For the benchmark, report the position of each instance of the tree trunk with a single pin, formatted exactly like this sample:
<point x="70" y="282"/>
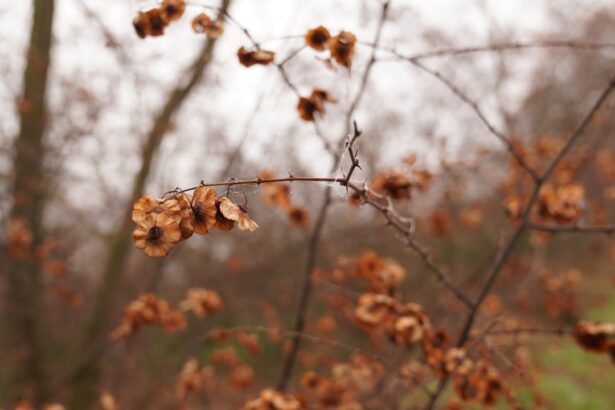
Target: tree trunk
<point x="23" y="273"/>
<point x="86" y="378"/>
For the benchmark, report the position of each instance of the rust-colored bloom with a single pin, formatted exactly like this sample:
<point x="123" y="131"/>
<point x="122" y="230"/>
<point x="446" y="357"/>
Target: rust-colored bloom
<point x="342" y="48"/>
<point x="249" y="58"/>
<point x="594" y="336"/>
<point x="156" y="234"/>
<point x="308" y="107"/>
<point x="374" y="309"/>
<point x="237" y="213"/>
<point x="204" y="209"/>
<point x="299" y="216"/>
<point x="202" y="23"/>
<point x="148" y="310"/>
<point x="172" y="10"/>
<point x="201" y="302"/>
<point x="222" y="222"/>
<point x="149" y="23"/>
<point x="317" y="38"/>
<point x="410" y="325"/>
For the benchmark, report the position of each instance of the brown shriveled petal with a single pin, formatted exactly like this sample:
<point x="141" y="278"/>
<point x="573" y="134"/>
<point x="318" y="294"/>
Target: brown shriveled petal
<point x="308" y="107"/>
<point x="342" y="48"/>
<point x="222" y="223"/>
<point x="234" y="212"/>
<point x="144" y="207"/>
<point x="249" y="58"/>
<point x="317" y="38"/>
<point x="202" y="23"/>
<point x="172" y="10"/>
<point x="204" y="209"/>
<point x="179" y="207"/>
<point x="157" y="234"/>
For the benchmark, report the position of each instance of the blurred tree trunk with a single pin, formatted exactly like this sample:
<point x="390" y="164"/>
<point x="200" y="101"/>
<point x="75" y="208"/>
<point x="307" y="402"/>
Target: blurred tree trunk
<point x="85" y="379"/>
<point x="24" y="273"/>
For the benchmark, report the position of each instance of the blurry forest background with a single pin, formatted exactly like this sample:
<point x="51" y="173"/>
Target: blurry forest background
<point x="93" y="117"/>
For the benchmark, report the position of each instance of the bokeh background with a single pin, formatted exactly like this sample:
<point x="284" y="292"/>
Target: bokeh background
<point x="107" y="140"/>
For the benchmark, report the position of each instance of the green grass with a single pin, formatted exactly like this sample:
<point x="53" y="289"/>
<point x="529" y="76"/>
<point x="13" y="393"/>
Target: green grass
<point x="575" y="379"/>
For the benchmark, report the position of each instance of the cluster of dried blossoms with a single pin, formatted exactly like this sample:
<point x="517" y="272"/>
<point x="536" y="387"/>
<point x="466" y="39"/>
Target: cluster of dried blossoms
<point x="382" y="275"/>
<point x="277" y="194"/>
<point x="346" y="385"/>
<point x="596" y="337"/>
<point x="342" y="47"/>
<point x="150" y="310"/>
<point x="270" y="399"/>
<point x="162" y="223"/>
<point x="407" y="325"/>
<point x="153" y="21"/>
<point x="561" y="204"/>
<point x="561" y="201"/>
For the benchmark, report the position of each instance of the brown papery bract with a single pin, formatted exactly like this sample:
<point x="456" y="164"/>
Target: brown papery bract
<point x="249" y="58"/>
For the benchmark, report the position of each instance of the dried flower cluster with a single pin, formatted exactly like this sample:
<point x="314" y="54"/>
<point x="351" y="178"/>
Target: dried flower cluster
<point x="346" y="385"/>
<point x="162" y="223"/>
<point x="152" y="22"/>
<point x="382" y="275"/>
<point x="150" y="310"/>
<point x="342" y="47"/>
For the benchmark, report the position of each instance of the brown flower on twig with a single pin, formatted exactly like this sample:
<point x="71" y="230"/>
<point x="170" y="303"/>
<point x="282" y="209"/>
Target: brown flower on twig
<point x="237" y="213"/>
<point x="342" y="48"/>
<point x="149" y="23"/>
<point x="202" y="23"/>
<point x="594" y="336"/>
<point x="308" y="107"/>
<point x="172" y="10"/>
<point x="156" y="234"/>
<point x="317" y="38"/>
<point x="249" y="58"/>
